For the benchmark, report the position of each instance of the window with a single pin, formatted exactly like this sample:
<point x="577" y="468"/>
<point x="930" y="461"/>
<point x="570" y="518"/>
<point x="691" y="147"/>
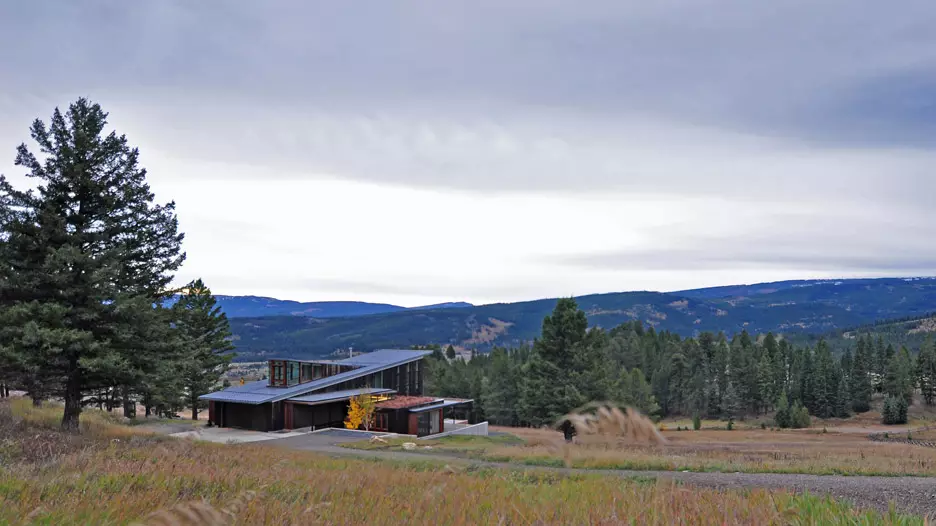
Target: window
<point x="277" y="373"/>
<point x="292" y="369"/>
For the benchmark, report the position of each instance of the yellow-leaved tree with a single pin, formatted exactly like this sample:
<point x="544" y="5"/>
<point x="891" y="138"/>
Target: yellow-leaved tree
<point x="360" y="412"/>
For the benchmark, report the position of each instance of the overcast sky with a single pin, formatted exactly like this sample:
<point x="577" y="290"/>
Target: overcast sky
<point x="418" y="152"/>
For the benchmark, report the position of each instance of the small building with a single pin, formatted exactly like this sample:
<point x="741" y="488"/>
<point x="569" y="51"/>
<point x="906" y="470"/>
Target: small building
<point x="302" y="394"/>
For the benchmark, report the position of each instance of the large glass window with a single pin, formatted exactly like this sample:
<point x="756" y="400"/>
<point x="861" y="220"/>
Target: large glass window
<point x="292" y="373"/>
<point x="277" y="373"/>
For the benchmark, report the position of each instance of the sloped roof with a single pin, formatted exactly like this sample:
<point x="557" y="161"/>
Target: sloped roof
<point x="260" y="392"/>
<point x="318" y="398"/>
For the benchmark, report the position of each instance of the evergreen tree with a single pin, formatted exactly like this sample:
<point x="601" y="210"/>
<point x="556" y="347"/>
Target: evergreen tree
<point x="843" y="401"/>
<point x="765" y="384"/>
<point x="499" y="391"/>
<point x="860" y="378"/>
<point x="782" y="416"/>
<point x="634" y="391"/>
<point x="450" y="352"/>
<point x="97" y="252"/>
<point x="204" y="336"/>
<point x="732" y="402"/>
<point x="898" y="381"/>
<point x="548" y="390"/>
<point x="926" y="371"/>
<point x="895" y="410"/>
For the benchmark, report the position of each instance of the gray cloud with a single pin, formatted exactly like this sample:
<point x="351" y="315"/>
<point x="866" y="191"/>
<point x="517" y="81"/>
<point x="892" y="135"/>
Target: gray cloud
<point x="845" y="244"/>
<point x="792" y="103"/>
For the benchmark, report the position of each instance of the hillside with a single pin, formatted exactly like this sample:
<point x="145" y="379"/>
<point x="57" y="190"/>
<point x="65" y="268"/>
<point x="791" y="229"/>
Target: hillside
<point x="800" y="307"/>
<point x="910" y="332"/>
<point x="257" y="306"/>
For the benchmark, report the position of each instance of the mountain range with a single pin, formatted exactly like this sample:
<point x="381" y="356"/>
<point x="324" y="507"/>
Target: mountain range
<point x="258" y="306"/>
<point x="810" y="307"/>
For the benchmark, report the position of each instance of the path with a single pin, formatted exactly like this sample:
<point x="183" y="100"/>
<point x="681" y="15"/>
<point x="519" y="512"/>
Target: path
<point x="910" y="494"/>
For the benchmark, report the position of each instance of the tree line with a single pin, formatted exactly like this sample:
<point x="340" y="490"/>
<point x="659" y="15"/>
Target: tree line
<point x="664" y="375"/>
<point x="87" y="261"/>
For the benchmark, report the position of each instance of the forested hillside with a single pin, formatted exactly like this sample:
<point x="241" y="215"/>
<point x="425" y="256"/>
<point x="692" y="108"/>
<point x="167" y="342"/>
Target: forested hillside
<point x="793" y="307"/>
<point x="258" y="306"/>
<point x="664" y="374"/>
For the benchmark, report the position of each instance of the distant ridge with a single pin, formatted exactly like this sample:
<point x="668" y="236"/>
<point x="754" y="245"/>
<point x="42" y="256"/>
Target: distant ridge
<point x="805" y="307"/>
<point x="259" y="306"/>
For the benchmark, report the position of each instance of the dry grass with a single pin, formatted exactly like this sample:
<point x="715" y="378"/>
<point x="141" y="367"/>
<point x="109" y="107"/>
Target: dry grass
<point x="750" y="451"/>
<point x="153" y="479"/>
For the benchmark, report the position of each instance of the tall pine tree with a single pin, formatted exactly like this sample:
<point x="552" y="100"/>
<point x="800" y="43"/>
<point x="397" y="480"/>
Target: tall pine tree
<point x="98" y="251"/>
<point x="204" y="338"/>
<point x="548" y="390"/>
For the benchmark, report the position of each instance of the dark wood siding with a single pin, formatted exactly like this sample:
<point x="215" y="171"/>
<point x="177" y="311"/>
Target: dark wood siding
<point x="245" y="416"/>
<point x="319" y="416"/>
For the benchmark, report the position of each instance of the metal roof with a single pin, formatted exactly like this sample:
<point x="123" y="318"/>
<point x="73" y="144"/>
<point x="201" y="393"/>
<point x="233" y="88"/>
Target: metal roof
<point x="318" y="398"/>
<point x="260" y="392"/>
<point x="440" y="405"/>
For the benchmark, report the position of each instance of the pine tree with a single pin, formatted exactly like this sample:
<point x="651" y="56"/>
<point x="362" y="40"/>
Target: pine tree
<point x="98" y="251"/>
<point x="782" y="416"/>
<point x="204" y="336"/>
<point x="634" y="391"/>
<point x="765" y="384"/>
<point x="843" y="401"/>
<point x="898" y="381"/>
<point x="926" y="371"/>
<point x="861" y="387"/>
<point x="500" y="389"/>
<point x="548" y="391"/>
<point x="450" y="352"/>
<point x="592" y="376"/>
<point x="732" y="402"/>
<point x="825" y="381"/>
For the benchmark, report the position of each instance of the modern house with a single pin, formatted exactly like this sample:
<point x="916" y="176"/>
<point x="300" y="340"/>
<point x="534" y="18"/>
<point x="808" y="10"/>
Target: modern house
<point x="302" y="394"/>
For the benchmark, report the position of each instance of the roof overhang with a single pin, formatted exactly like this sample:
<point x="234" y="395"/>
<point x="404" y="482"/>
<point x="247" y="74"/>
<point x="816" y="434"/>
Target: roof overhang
<point x="335" y="396"/>
<point x="441" y="405"/>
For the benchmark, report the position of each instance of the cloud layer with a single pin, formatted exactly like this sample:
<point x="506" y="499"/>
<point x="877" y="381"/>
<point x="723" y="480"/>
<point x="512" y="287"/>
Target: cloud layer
<point x="793" y="138"/>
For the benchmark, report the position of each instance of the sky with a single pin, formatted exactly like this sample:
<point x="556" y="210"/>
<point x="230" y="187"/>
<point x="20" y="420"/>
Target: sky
<point x="415" y="152"/>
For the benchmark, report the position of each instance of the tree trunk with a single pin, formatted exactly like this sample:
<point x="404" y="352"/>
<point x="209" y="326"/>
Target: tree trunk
<point x="194" y="402"/>
<point x="2" y="391"/>
<point x="129" y="405"/>
<point x="36" y="400"/>
<point x="6" y="389"/>
<point x="72" y="398"/>
<point x="149" y="410"/>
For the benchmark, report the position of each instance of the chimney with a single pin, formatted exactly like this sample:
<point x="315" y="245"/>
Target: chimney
<point x="350" y="352"/>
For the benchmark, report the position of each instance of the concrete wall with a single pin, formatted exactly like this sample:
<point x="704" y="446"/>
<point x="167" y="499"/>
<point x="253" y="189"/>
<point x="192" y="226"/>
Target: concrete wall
<point x="475" y="430"/>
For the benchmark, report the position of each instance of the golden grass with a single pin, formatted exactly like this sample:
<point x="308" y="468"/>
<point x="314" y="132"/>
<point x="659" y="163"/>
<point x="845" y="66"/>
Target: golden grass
<point x="153" y="479"/>
<point x="752" y="451"/>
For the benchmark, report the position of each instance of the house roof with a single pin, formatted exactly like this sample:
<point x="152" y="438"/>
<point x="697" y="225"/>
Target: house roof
<point x="260" y="392"/>
<point x="403" y="402"/>
<point x="440" y="405"/>
<point x="320" y="398"/>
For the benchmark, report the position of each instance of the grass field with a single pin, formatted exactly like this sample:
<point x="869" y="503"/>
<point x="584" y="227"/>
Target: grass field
<point x="113" y="474"/>
<point x="746" y="451"/>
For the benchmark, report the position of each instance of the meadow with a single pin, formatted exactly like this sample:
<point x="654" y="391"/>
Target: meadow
<point x="115" y="474"/>
<point x="747" y="451"/>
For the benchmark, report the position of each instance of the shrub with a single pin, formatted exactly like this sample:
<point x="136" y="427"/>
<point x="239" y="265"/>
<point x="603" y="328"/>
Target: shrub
<point x="696" y="422"/>
<point x="895" y="411"/>
<point x="799" y="416"/>
<point x="731" y="424"/>
<point x="763" y="425"/>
